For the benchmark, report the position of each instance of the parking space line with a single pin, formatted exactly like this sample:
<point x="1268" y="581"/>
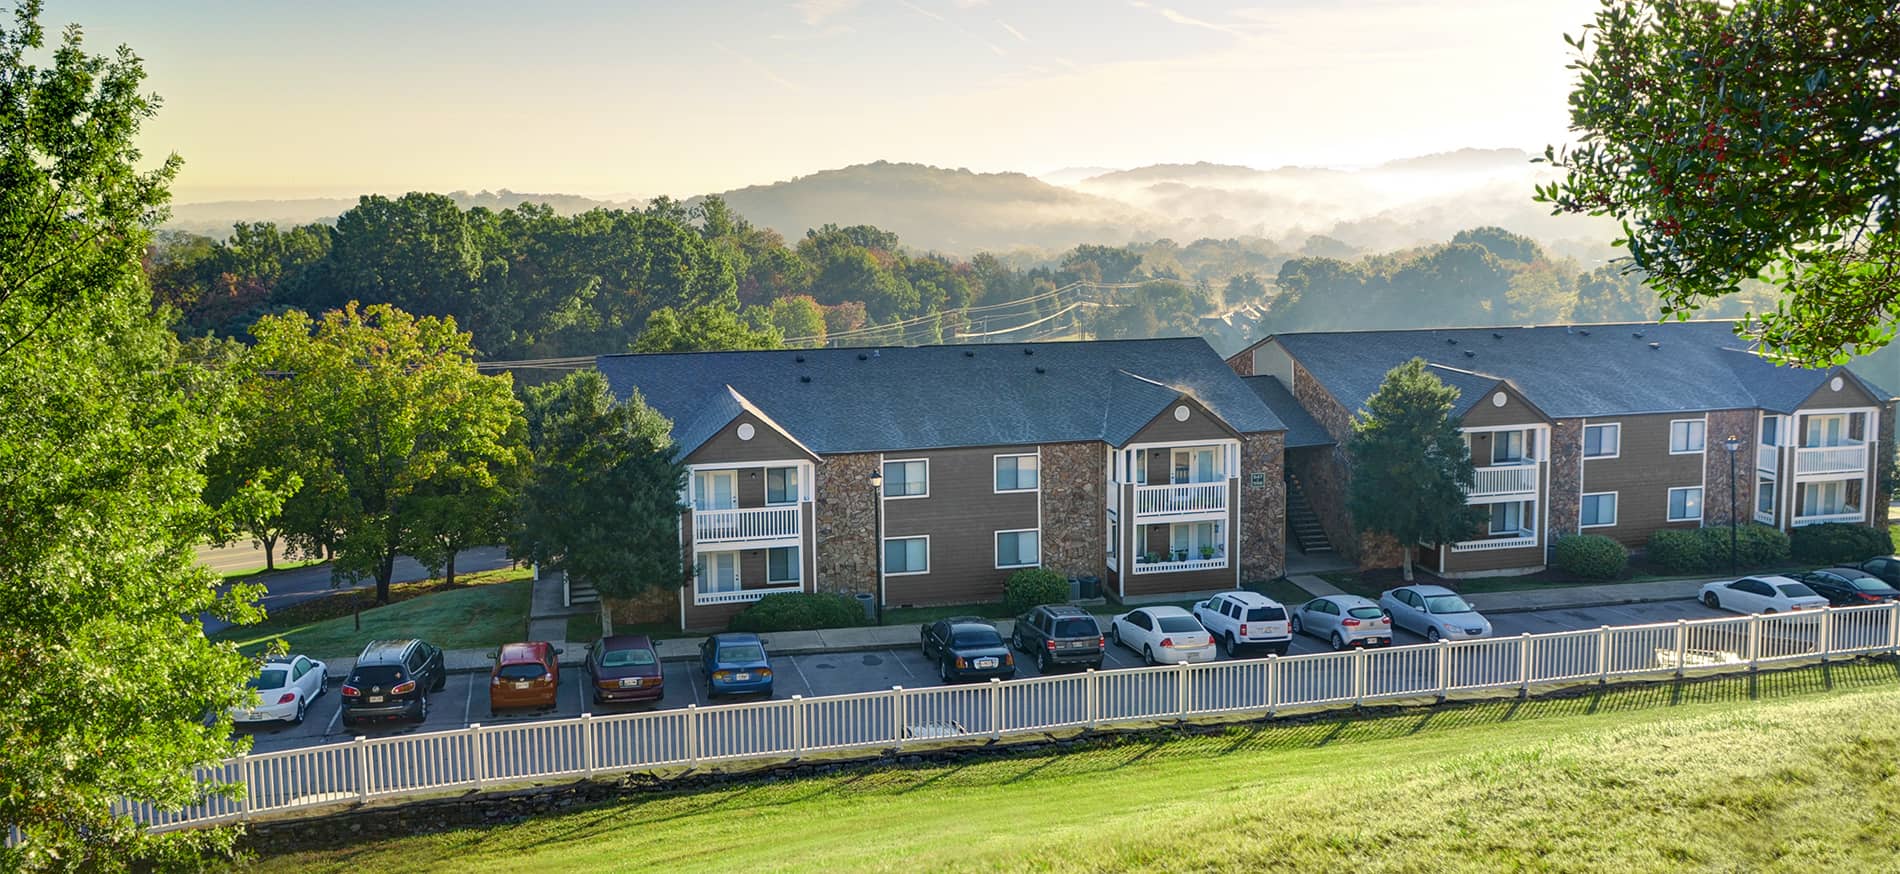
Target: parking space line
<point x="900" y="663"/>
<point x="468" y="702"/>
<point x="692" y="683"/>
<point x="335" y="719"/>
<point x="801" y="675"/>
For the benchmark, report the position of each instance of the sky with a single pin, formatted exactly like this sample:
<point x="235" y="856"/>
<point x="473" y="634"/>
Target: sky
<point x="337" y="98"/>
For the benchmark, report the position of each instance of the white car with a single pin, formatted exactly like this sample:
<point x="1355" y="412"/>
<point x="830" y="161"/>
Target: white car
<point x="1242" y="618"/>
<point x="1761" y="595"/>
<point x="1434" y="613"/>
<point x="1163" y="635"/>
<point x="1344" y="620"/>
<point x="285" y="687"/>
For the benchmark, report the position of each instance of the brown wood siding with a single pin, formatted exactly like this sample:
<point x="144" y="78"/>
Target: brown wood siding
<point x="1201" y="426"/>
<point x="1850" y="395"/>
<point x="961" y="515"/>
<point x="1516" y="410"/>
<point x="767" y="444"/>
<point x="1493" y="559"/>
<point x="1642" y="475"/>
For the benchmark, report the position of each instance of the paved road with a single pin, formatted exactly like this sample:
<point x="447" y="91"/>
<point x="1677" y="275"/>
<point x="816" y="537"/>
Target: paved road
<point x="241" y="556"/>
<point x="284" y="588"/>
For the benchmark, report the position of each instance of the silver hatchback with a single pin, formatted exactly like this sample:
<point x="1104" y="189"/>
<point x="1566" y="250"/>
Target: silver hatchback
<point x="1344" y="620"/>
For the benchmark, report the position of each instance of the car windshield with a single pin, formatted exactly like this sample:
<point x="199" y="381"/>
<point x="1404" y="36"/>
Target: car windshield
<point x="1365" y="612"/>
<point x="1179" y="624"/>
<point x="1446" y="604"/>
<point x="975" y="637"/>
<point x="740" y="652"/>
<point x="1077" y="628"/>
<point x="1265" y="614"/>
<point x="271" y="679"/>
<point x="1869" y="584"/>
<point x="379" y="675"/>
<point x="1796" y="590"/>
<point x="624" y="658"/>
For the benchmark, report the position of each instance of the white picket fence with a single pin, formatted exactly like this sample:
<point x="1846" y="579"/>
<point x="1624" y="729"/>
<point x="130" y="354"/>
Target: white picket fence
<point x="483" y="756"/>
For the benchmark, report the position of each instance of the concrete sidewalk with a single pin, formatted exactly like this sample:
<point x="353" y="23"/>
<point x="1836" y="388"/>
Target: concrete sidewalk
<point x="1555" y="598"/>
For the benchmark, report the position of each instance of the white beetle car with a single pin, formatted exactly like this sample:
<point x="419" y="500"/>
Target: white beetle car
<point x="1163" y="635"/>
<point x="1761" y="595"/>
<point x="285" y="686"/>
<point x="1434" y="612"/>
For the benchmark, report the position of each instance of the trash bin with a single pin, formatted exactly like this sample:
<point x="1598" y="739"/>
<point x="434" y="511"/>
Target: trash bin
<point x="869" y="602"/>
<point x="1091" y="587"/>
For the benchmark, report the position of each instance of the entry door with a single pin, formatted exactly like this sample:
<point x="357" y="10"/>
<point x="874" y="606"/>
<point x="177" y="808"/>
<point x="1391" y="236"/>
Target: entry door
<point x="716" y="490"/>
<point x="718" y="572"/>
<point x="1193" y="466"/>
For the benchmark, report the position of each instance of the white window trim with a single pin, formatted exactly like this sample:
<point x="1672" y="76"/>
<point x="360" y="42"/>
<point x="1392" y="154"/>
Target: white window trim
<point x="738" y="572"/>
<point x="1672" y="437"/>
<point x="798" y="567"/>
<point x="926" y="539"/>
<point x="996" y="544"/>
<point x="1616" y="426"/>
<point x="1667" y="500"/>
<point x="1616" y="509"/>
<point x="798" y="482"/>
<point x="926" y="493"/>
<point x="994" y="459"/>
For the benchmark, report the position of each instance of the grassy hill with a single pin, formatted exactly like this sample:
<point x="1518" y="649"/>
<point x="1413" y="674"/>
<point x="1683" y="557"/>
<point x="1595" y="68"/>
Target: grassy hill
<point x="1793" y="771"/>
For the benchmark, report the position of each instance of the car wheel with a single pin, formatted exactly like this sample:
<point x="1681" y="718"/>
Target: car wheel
<point x="711" y="693"/>
<point x="1339" y="643"/>
<point x="424" y="708"/>
<point x="441" y="682"/>
<point x="1231" y="645"/>
<point x="1296" y="626"/>
<point x="1432" y="635"/>
<point x="1148" y="654"/>
<point x="301" y="706"/>
<point x="1709" y="600"/>
<point x="1042" y="662"/>
<point x="1115" y="631"/>
<point x="943" y="671"/>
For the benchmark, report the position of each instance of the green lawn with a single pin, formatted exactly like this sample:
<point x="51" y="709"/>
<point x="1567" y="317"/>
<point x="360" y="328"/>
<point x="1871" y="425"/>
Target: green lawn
<point x="1786" y="772"/>
<point x="286" y="565"/>
<point x="476" y="617"/>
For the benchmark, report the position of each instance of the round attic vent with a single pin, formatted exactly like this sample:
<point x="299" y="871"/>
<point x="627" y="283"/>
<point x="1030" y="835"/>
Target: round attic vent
<point x="1499" y="399"/>
<point x="746" y="431"/>
<point x="1181" y="413"/>
<point x="1835" y="384"/>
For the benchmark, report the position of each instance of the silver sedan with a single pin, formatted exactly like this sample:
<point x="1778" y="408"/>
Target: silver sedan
<point x="1434" y="613"/>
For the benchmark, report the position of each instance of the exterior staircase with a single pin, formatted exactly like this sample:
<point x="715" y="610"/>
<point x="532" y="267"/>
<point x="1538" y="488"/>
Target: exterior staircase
<point x="1301" y="522"/>
<point x="581" y="594"/>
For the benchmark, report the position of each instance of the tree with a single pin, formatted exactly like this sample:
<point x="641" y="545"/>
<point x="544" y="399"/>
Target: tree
<point x="253" y="475"/>
<point x="1244" y="288"/>
<point x="402" y="420"/>
<point x="603" y="500"/>
<point x="1411" y="467"/>
<point x="710" y="328"/>
<point x="1742" y="140"/>
<point x="799" y="316"/>
<point x="106" y="678"/>
<point x="1502" y="243"/>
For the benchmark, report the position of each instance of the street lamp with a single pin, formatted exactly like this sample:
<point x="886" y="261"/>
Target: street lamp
<point x="877" y="537"/>
<point x="1733" y="443"/>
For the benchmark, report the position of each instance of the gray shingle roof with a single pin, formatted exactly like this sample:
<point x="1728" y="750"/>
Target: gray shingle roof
<point x="1573" y="371"/>
<point x="716" y="413"/>
<point x="1301" y="430"/>
<point x="922" y="397"/>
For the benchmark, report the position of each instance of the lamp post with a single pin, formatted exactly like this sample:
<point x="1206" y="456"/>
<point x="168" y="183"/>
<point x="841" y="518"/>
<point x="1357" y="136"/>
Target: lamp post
<point x="1733" y="443"/>
<point x="877" y="537"/>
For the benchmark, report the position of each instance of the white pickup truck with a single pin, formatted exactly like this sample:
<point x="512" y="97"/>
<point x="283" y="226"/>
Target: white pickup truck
<point x="1244" y="619"/>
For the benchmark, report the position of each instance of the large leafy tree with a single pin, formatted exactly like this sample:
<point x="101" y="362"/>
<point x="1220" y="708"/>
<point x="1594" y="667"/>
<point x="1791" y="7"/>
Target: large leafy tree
<point x="1411" y="467"/>
<point x="250" y="478"/>
<point x="1743" y="140"/>
<point x="106" y="677"/>
<point x="401" y="420"/>
<point x="603" y="502"/>
<point x="714" y="327"/>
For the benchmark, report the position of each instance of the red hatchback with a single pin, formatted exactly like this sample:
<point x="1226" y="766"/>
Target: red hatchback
<point x="624" y="668"/>
<point x="526" y="675"/>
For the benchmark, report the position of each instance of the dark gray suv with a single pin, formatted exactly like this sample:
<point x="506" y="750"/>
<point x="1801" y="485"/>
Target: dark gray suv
<point x="1059" y="634"/>
<point x="392" y="680"/>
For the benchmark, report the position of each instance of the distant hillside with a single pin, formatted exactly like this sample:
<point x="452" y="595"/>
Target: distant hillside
<point x="1462" y="161"/>
<point x="214" y="218"/>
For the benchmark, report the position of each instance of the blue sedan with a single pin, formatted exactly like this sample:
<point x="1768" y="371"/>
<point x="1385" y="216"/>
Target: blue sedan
<point x="735" y="664"/>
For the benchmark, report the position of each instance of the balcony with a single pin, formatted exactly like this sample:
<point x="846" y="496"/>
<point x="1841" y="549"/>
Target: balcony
<point x="1846" y="458"/>
<point x="1517" y="541"/>
<point x="1766" y="458"/>
<point x="1504" y="481"/>
<point x="1183" y="499"/>
<point x="754" y="524"/>
<point x="742" y="596"/>
<point x="1168" y="565"/>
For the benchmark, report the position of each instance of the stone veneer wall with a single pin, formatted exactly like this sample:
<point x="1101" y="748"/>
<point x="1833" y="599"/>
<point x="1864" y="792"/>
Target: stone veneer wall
<point x="1883" y="465"/>
<point x="1074" y="521"/>
<point x="1565" y="499"/>
<point x="1242" y="364"/>
<point x="847" y="523"/>
<point x="1326" y="475"/>
<point x="1263" y="507"/>
<point x="1715" y="472"/>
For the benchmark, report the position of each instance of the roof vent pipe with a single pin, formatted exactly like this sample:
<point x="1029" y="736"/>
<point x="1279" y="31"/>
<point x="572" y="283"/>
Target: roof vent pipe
<point x="1584" y="331"/>
<point x="1496" y="336"/>
<point x="1636" y="334"/>
<point x="1452" y="340"/>
<point x="799" y="358"/>
<point x="863" y="357"/>
<point x="968" y="353"/>
<point x="804" y="379"/>
<point x="1029" y="351"/>
<point x="1655" y="345"/>
<point x="1039" y="369"/>
<point x="1470" y="354"/>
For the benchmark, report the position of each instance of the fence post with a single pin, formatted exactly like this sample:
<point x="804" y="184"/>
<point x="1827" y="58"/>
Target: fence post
<point x="1524" y="665"/>
<point x="1603" y="655"/>
<point x="1273" y="684"/>
<point x="1893" y="626"/>
<point x="798" y="726"/>
<point x="692" y="735"/>
<point x="1444" y="669"/>
<point x="897" y="717"/>
<point x="1358" y="676"/>
<point x="996" y="709"/>
<point x="481" y="753"/>
<point x="1181" y="677"/>
<point x="244" y="777"/>
<point x="1754" y="642"/>
<point x="1092" y="696"/>
<point x="1682" y="645"/>
<point x="587" y="744"/>
<point x="1827" y="636"/>
<point x="362" y="768"/>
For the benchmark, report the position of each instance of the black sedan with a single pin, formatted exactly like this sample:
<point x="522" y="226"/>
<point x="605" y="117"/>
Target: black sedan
<point x="967" y="648"/>
<point x="1846" y="586"/>
<point x="1886" y="567"/>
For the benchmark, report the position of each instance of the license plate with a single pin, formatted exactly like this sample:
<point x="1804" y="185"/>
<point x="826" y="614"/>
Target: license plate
<point x="742" y="677"/>
<point x="374" y="699"/>
<point x="630" y="683"/>
<point x="1474" y="631"/>
<point x="985" y="664"/>
<point x="524" y="685"/>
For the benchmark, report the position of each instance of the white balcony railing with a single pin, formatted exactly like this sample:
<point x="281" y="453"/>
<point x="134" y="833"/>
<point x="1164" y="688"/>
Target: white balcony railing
<point x="1848" y="515"/>
<point x="1181" y="499"/>
<point x="1168" y="567"/>
<point x="1850" y="458"/>
<point x="741" y="596"/>
<point x="1766" y="457"/>
<point x="1523" y="539"/>
<point x="757" y="523"/>
<point x="1515" y="479"/>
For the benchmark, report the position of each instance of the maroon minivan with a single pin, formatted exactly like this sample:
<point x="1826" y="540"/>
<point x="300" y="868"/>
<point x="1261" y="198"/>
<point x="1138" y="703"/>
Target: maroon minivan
<point x="623" y="669"/>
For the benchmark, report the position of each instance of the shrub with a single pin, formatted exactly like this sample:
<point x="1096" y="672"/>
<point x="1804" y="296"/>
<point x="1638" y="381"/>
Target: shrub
<point x="1030" y="587"/>
<point x="1755" y="546"/>
<point x="1839" y="543"/>
<point x="1591" y="556"/>
<point x="1679" y="551"/>
<point x="800" y="611"/>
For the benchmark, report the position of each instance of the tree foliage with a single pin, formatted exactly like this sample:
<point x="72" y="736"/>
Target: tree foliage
<point x="106" y="678"/>
<point x="1411" y="467"/>
<point x="603" y="500"/>
<point x="1757" y="139"/>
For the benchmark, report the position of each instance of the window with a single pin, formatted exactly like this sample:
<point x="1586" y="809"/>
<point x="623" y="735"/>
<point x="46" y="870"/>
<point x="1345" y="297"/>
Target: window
<point x="782" y="564"/>
<point x="1114" y="538"/>
<point x="781" y="485"/>
<point x="1770" y="427"/>
<point x="906" y="555"/>
<point x="1196" y="541"/>
<point x="1685" y="504"/>
<point x="1765" y="497"/>
<point x="1685" y="436"/>
<point x="1599" y="510"/>
<point x="1194" y="466"/>
<point x="1017" y="549"/>
<point x="716" y="572"/>
<point x="1507" y="518"/>
<point x="715" y="490"/>
<point x="1601" y="441"/>
<point x="1507" y="447"/>
<point x="906" y="479"/>
<point x="1832" y="498"/>
<point x="1016" y="473"/>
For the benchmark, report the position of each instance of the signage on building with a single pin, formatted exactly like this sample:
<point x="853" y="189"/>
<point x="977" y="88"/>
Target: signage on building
<point x="1257" y="480"/>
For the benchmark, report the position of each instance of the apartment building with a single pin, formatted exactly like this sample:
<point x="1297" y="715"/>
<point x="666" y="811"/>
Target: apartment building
<point x="928" y="475"/>
<point x="1617" y="430"/>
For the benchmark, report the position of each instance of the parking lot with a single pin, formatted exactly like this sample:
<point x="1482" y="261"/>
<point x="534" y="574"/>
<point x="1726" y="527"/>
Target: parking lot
<point x="465" y="699"/>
